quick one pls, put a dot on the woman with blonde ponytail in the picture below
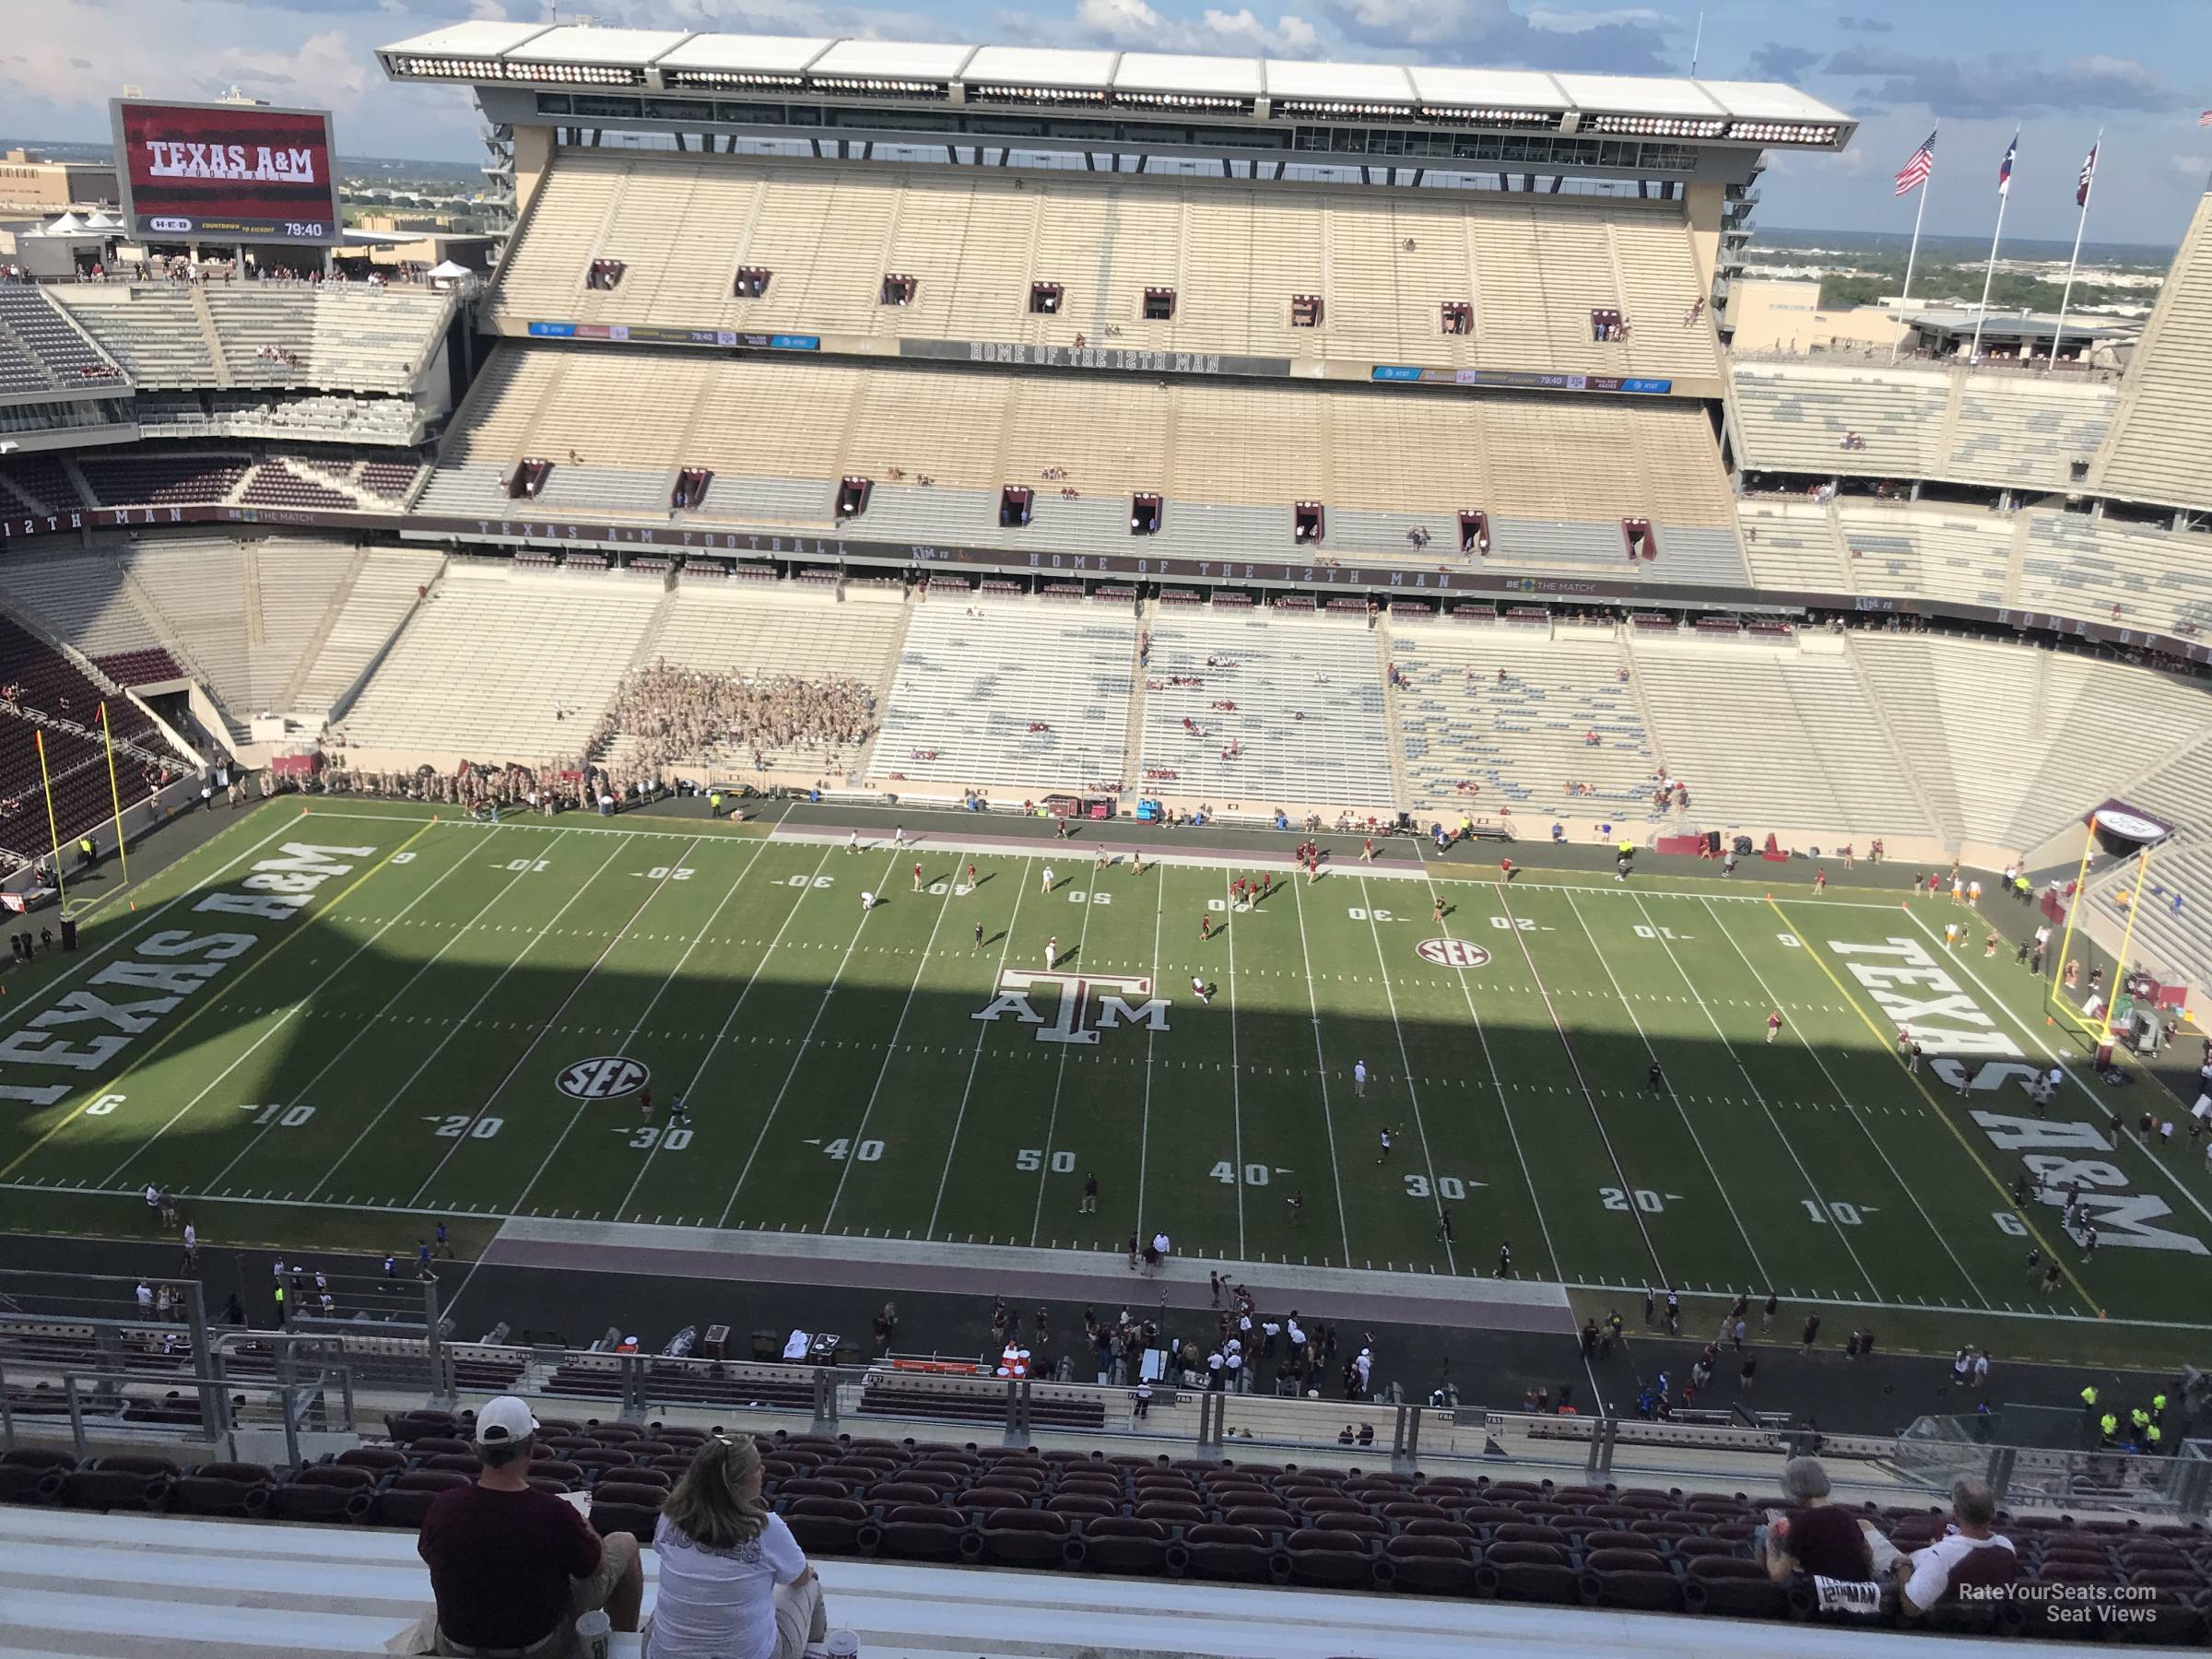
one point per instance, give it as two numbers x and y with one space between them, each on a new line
734 1584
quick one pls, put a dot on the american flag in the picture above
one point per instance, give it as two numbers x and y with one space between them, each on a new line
1915 172
2005 167
2206 119
2088 175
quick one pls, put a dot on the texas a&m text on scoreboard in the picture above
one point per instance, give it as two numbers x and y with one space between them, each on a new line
243 171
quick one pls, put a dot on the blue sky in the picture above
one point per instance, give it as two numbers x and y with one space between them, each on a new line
2141 69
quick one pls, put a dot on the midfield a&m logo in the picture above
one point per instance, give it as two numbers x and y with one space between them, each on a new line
1072 1013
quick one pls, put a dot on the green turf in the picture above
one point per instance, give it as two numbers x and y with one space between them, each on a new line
396 1047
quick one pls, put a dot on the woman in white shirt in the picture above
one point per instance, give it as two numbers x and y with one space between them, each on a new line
734 1582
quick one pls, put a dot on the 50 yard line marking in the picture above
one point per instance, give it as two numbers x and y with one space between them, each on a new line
952 1143
178 1030
1236 1090
1051 1123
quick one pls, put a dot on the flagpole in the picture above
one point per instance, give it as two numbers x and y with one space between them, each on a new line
2089 189
1905 301
1989 272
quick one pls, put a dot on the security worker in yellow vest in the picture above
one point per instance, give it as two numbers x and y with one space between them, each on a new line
714 805
2158 1406
2139 1419
2108 1427
2088 1401
2152 1436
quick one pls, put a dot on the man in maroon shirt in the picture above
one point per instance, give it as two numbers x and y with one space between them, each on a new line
514 1567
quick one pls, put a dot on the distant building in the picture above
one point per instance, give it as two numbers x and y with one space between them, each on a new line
1787 316
29 183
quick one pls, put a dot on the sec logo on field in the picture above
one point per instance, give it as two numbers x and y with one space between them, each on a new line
603 1078
1452 953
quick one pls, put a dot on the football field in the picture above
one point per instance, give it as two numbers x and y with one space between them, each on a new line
359 1010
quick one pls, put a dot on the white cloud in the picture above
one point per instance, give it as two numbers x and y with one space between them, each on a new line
1553 21
2190 167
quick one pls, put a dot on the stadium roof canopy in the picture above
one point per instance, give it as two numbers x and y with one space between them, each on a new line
1756 113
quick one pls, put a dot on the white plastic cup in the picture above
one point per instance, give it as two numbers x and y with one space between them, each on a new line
595 1634
841 1645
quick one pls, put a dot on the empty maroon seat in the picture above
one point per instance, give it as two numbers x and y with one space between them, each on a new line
992 1497
1536 1573
408 1498
916 1532
1334 1559
1088 1505
1430 1566
1648 1499
1685 1548
830 1525
1522 1532
1630 1577
1606 1538
1408 1508
934 1477
598 1459
380 1458
1670 1529
1738 1588
431 1445
1505 1491
1171 1515
239 1490
460 1463
33 1474
1459 1532
124 1481
1359 1525
1490 1514
1119 1544
1024 1537
1267 1518
325 1492
1238 1553
892 1492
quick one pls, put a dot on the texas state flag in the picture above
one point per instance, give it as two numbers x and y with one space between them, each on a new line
2005 167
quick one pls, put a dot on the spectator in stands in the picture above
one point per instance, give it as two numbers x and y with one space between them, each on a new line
1815 1536
734 1582
513 1568
1970 1552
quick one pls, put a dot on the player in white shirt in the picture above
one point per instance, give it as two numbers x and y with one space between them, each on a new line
1048 878
1359 1078
1051 953
867 901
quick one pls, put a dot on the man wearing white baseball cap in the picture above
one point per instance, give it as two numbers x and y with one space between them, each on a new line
513 1568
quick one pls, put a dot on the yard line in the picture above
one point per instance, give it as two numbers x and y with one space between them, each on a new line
1236 1091
1745 1072
174 1032
953 1144
1406 1060
729 1020
553 1019
1144 1122
458 1027
1321 1072
799 1053
1482 1040
31 1001
1575 1065
890 1049
1857 1116
214 1182
1051 1123
2057 1059
1696 1140
284 1019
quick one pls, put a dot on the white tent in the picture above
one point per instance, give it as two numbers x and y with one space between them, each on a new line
448 272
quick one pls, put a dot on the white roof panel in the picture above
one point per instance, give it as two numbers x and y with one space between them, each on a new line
771 54
1637 95
1487 89
1173 72
1348 83
1770 101
893 60
473 40
1042 66
576 44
